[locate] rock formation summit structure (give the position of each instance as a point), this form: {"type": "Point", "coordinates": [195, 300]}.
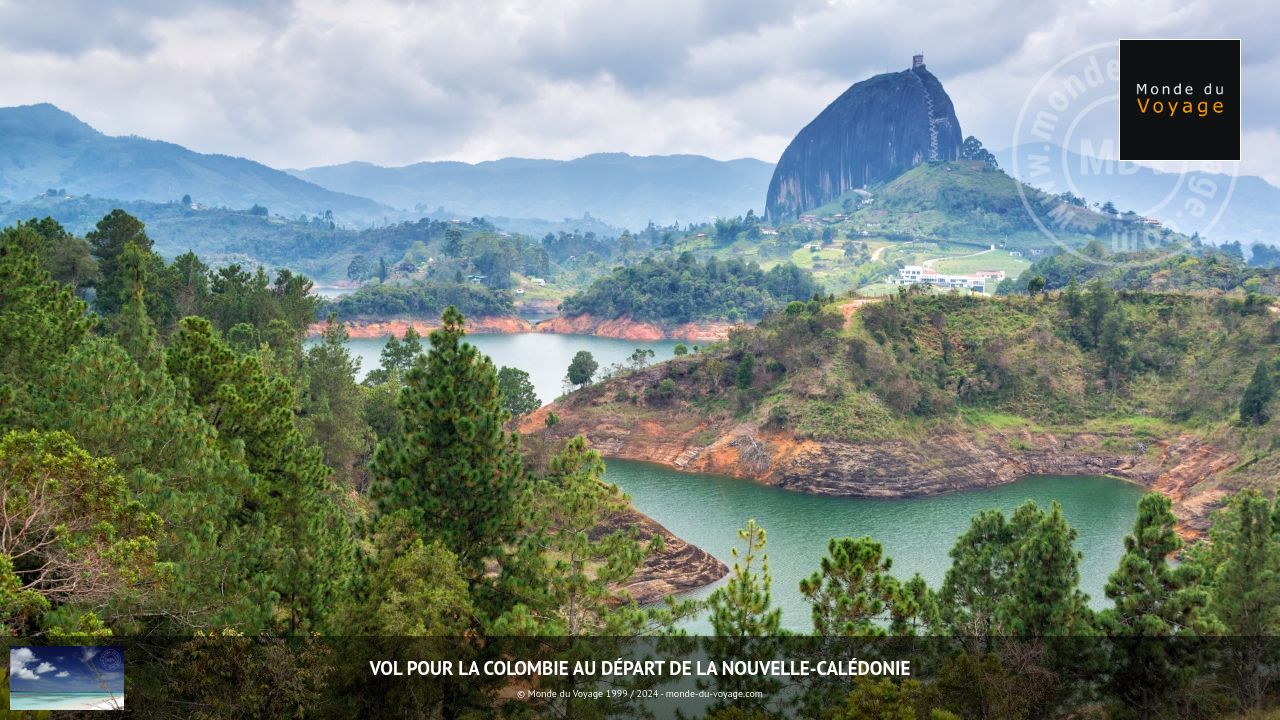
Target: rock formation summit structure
{"type": "Point", "coordinates": [875, 131]}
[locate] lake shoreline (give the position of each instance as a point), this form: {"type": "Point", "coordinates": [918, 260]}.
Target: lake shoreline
{"type": "Point", "coordinates": [943, 461]}
{"type": "Point", "coordinates": [585, 325]}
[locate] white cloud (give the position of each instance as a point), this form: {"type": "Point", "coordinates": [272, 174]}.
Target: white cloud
{"type": "Point", "coordinates": [44, 667]}
{"type": "Point", "coordinates": [63, 673]}
{"type": "Point", "coordinates": [321, 81]}
{"type": "Point", "coordinates": [19, 658]}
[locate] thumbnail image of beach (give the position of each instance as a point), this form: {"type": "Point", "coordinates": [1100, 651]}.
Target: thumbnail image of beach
{"type": "Point", "coordinates": [66, 678]}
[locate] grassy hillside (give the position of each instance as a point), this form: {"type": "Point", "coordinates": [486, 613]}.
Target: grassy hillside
{"type": "Point", "coordinates": [974, 203]}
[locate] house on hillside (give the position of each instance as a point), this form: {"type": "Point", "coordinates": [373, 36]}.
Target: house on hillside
{"type": "Point", "coordinates": [977, 281]}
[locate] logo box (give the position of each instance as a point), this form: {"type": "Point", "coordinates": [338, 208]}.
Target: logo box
{"type": "Point", "coordinates": [1180, 99]}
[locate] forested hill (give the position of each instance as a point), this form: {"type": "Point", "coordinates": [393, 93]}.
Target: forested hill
{"type": "Point", "coordinates": [1066, 357]}
{"type": "Point", "coordinates": [1198, 267]}
{"type": "Point", "coordinates": [321, 248]}
{"type": "Point", "coordinates": [683, 289]}
{"type": "Point", "coordinates": [422, 299]}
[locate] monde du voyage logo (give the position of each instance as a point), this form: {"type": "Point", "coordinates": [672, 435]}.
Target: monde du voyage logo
{"type": "Point", "coordinates": [1179, 99]}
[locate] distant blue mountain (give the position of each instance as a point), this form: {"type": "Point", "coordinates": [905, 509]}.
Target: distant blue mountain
{"type": "Point", "coordinates": [43, 147]}
{"type": "Point", "coordinates": [1252, 214]}
{"type": "Point", "coordinates": [616, 188]}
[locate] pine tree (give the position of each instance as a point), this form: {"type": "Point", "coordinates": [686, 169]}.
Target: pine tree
{"type": "Point", "coordinates": [332, 409]}
{"type": "Point", "coordinates": [311, 566]}
{"type": "Point", "coordinates": [854, 594]}
{"type": "Point", "coordinates": [982, 564]}
{"type": "Point", "coordinates": [398, 355]}
{"type": "Point", "coordinates": [744, 622]}
{"type": "Point", "coordinates": [1242, 566]}
{"type": "Point", "coordinates": [1015, 576]}
{"type": "Point", "coordinates": [109, 240]}
{"type": "Point", "coordinates": [212, 546]}
{"type": "Point", "coordinates": [1246, 576]}
{"type": "Point", "coordinates": [40, 321]}
{"type": "Point", "coordinates": [743, 606]}
{"type": "Point", "coordinates": [1153, 600]}
{"type": "Point", "coordinates": [1257, 395]}
{"type": "Point", "coordinates": [452, 467]}
{"type": "Point", "coordinates": [1043, 598]}
{"type": "Point", "coordinates": [133, 326]}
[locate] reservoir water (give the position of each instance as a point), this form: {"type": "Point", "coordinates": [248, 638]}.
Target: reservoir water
{"type": "Point", "coordinates": [917, 533]}
{"type": "Point", "coordinates": [707, 510]}
{"type": "Point", "coordinates": [544, 356]}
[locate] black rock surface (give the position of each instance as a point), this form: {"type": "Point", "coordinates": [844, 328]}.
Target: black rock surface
{"type": "Point", "coordinates": [875, 131]}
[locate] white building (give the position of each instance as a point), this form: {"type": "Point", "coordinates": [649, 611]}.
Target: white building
{"type": "Point", "coordinates": [981, 281]}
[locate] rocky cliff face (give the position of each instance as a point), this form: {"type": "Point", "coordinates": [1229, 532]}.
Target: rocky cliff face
{"type": "Point", "coordinates": [876, 130]}
{"type": "Point", "coordinates": [678, 568]}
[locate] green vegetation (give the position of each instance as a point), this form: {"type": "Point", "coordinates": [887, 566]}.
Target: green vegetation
{"type": "Point", "coordinates": [1192, 267]}
{"type": "Point", "coordinates": [177, 461]}
{"type": "Point", "coordinates": [677, 290]}
{"type": "Point", "coordinates": [581, 369]}
{"type": "Point", "coordinates": [422, 298]}
{"type": "Point", "coordinates": [1257, 395]}
{"type": "Point", "coordinates": [915, 359]}
{"type": "Point", "coordinates": [1013, 636]}
{"type": "Point", "coordinates": [518, 395]}
{"type": "Point", "coordinates": [174, 461]}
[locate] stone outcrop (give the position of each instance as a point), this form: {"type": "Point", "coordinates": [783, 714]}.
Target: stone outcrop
{"type": "Point", "coordinates": [679, 567]}
{"type": "Point", "coordinates": [875, 131]}
{"type": "Point", "coordinates": [627, 329]}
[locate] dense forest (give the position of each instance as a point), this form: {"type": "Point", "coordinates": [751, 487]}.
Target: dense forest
{"type": "Point", "coordinates": [422, 298]}
{"type": "Point", "coordinates": [176, 463]}
{"type": "Point", "coordinates": [682, 289]}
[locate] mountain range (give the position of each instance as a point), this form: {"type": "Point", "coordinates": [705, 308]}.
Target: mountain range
{"type": "Point", "coordinates": [45, 148]}
{"type": "Point", "coordinates": [622, 190]}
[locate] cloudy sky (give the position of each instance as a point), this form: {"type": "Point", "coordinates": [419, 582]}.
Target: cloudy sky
{"type": "Point", "coordinates": [298, 83]}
